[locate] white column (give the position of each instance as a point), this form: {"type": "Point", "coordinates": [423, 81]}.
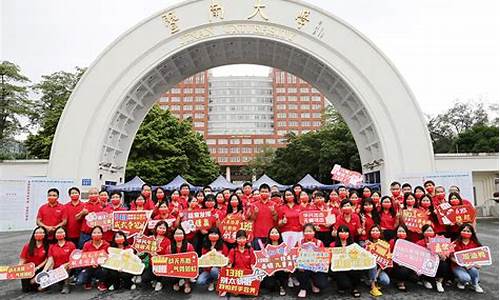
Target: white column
{"type": "Point", "coordinates": [228, 173]}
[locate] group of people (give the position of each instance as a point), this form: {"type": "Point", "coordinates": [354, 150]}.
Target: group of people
{"type": "Point", "coordinates": [360, 216]}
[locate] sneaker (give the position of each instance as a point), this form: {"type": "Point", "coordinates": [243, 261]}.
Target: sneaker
{"type": "Point", "coordinates": [101, 286]}
{"type": "Point", "coordinates": [111, 288]}
{"type": "Point", "coordinates": [460, 286]}
{"type": "Point", "coordinates": [158, 286]}
{"type": "Point", "coordinates": [137, 279]}
{"type": "Point", "coordinates": [478, 289]}
{"type": "Point", "coordinates": [192, 280]}
{"type": "Point", "coordinates": [87, 286]}
{"type": "Point", "coordinates": [302, 294]}
{"type": "Point", "coordinates": [176, 287]}
{"type": "Point", "coordinates": [315, 289]}
{"type": "Point", "coordinates": [439, 287]}
{"type": "Point", "coordinates": [65, 289]}
{"type": "Point", "coordinates": [211, 287]}
{"type": "Point", "coordinates": [375, 292]}
{"type": "Point", "coordinates": [181, 282]}
{"type": "Point", "coordinates": [295, 281]}
{"type": "Point", "coordinates": [282, 291]}
{"type": "Point", "coordinates": [290, 282]}
{"type": "Point", "coordinates": [133, 287]}
{"type": "Point", "coordinates": [428, 285]}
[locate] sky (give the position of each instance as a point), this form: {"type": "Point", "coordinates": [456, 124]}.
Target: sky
{"type": "Point", "coordinates": [445, 49]}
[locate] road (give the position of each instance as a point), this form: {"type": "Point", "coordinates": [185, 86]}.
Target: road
{"type": "Point", "coordinates": [11, 243]}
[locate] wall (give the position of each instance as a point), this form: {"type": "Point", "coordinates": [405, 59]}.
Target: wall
{"type": "Point", "coordinates": [19, 169]}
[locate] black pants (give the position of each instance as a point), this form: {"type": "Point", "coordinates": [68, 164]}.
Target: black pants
{"type": "Point", "coordinates": [273, 283]}
{"type": "Point", "coordinates": [119, 279]}
{"type": "Point", "coordinates": [443, 271]}
{"type": "Point", "coordinates": [148, 276]}
{"type": "Point", "coordinates": [325, 237]}
{"type": "Point", "coordinates": [400, 273]}
{"type": "Point", "coordinates": [304, 277]}
{"type": "Point", "coordinates": [347, 280]}
{"type": "Point", "coordinates": [27, 286]}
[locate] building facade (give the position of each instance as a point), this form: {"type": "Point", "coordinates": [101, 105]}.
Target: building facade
{"type": "Point", "coordinates": [239, 116]}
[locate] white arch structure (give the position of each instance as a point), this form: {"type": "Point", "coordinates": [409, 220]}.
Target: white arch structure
{"type": "Point", "coordinates": [103, 114]}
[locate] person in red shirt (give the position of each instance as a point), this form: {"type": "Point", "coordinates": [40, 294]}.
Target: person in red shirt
{"type": "Point", "coordinates": [454, 199]}
{"type": "Point", "coordinates": [305, 201]}
{"type": "Point", "coordinates": [185, 192]}
{"type": "Point", "coordinates": [276, 198]}
{"type": "Point", "coordinates": [35, 251]}
{"type": "Point", "coordinates": [443, 268]}
{"type": "Point", "coordinates": [92, 205]}
{"type": "Point", "coordinates": [376, 200]}
{"type": "Point", "coordinates": [242, 256]}
{"type": "Point", "coordinates": [164, 214]}
{"type": "Point", "coordinates": [469, 274]}
{"type": "Point", "coordinates": [220, 201]}
{"type": "Point", "coordinates": [396, 196]}
{"type": "Point", "coordinates": [265, 212]}
{"type": "Point", "coordinates": [440, 196]}
{"type": "Point", "coordinates": [346, 280]}
{"type": "Point", "coordinates": [114, 205]}
{"type": "Point", "coordinates": [410, 205]}
{"type": "Point", "coordinates": [52, 214]}
{"type": "Point", "coordinates": [419, 192]}
{"type": "Point", "coordinates": [400, 273]}
{"type": "Point", "coordinates": [334, 201]}
{"type": "Point", "coordinates": [342, 192]}
{"type": "Point", "coordinates": [388, 218]}
{"type": "Point", "coordinates": [280, 278]}
{"type": "Point", "coordinates": [376, 275]}
{"type": "Point", "coordinates": [138, 203]}
{"type": "Point", "coordinates": [456, 189]}
{"type": "Point", "coordinates": [210, 204]}
{"type": "Point", "coordinates": [323, 232]}
{"type": "Point", "coordinates": [74, 218]}
{"type": "Point", "coordinates": [181, 245]}
{"type": "Point", "coordinates": [367, 193]}
{"type": "Point", "coordinates": [117, 279]}
{"type": "Point", "coordinates": [247, 194]}
{"type": "Point", "coordinates": [288, 216]}
{"type": "Point", "coordinates": [355, 201]}
{"type": "Point", "coordinates": [406, 188]}
{"type": "Point", "coordinates": [85, 277]}
{"type": "Point", "coordinates": [427, 207]}
{"type": "Point", "coordinates": [309, 280]}
{"type": "Point", "coordinates": [59, 256]}
{"type": "Point", "coordinates": [163, 248]}
{"type": "Point", "coordinates": [104, 198]}
{"type": "Point", "coordinates": [429, 186]}
{"type": "Point", "coordinates": [212, 241]}
{"type": "Point", "coordinates": [369, 217]}
{"type": "Point", "coordinates": [297, 189]}
{"type": "Point", "coordinates": [159, 197]}
{"type": "Point", "coordinates": [176, 205]}
{"type": "Point", "coordinates": [350, 219]}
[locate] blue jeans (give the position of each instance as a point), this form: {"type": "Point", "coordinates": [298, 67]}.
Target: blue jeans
{"type": "Point", "coordinates": [208, 276]}
{"type": "Point", "coordinates": [83, 238]}
{"type": "Point", "coordinates": [382, 278]}
{"type": "Point", "coordinates": [466, 276]}
{"type": "Point", "coordinates": [87, 274]}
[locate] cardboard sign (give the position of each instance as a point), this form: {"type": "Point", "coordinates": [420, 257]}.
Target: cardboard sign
{"type": "Point", "coordinates": [450, 215]}
{"type": "Point", "coordinates": [414, 219]}
{"type": "Point", "coordinates": [131, 222]}
{"type": "Point", "coordinates": [188, 226]}
{"type": "Point", "coordinates": [24, 271]}
{"type": "Point", "coordinates": [213, 258]}
{"type": "Point", "coordinates": [235, 281]}
{"type": "Point", "coordinates": [346, 176]}
{"type": "Point", "coordinates": [80, 259]}
{"type": "Point", "coordinates": [45, 279]}
{"type": "Point", "coordinates": [480, 256]}
{"type": "Point", "coordinates": [200, 217]}
{"type": "Point", "coordinates": [276, 258]}
{"type": "Point", "coordinates": [441, 245]}
{"type": "Point", "coordinates": [152, 223]}
{"type": "Point", "coordinates": [352, 257]}
{"type": "Point", "coordinates": [102, 218]}
{"type": "Point", "coordinates": [313, 258]}
{"type": "Point", "coordinates": [123, 260]}
{"type": "Point", "coordinates": [316, 217]}
{"type": "Point", "coordinates": [231, 224]}
{"type": "Point", "coordinates": [145, 244]}
{"type": "Point", "coordinates": [382, 252]}
{"type": "Point", "coordinates": [415, 257]}
{"type": "Point", "coordinates": [179, 265]}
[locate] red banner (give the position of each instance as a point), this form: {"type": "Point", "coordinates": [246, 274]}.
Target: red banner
{"type": "Point", "coordinates": [24, 271]}
{"type": "Point", "coordinates": [382, 252]}
{"type": "Point", "coordinates": [231, 224]}
{"type": "Point", "coordinates": [415, 257]}
{"type": "Point", "coordinates": [480, 256]}
{"type": "Point", "coordinates": [131, 222]}
{"type": "Point", "coordinates": [235, 281]}
{"type": "Point", "coordinates": [80, 259]}
{"type": "Point", "coordinates": [316, 217]}
{"type": "Point", "coordinates": [102, 218]}
{"type": "Point", "coordinates": [276, 258]}
{"type": "Point", "coordinates": [346, 176]}
{"type": "Point", "coordinates": [145, 244]}
{"type": "Point", "coordinates": [414, 219]}
{"type": "Point", "coordinates": [441, 245]}
{"type": "Point", "coordinates": [179, 265]}
{"type": "Point", "coordinates": [450, 215]}
{"type": "Point", "coordinates": [200, 217]}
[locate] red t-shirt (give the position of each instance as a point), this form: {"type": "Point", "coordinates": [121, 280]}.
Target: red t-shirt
{"type": "Point", "coordinates": [242, 260]}
{"type": "Point", "coordinates": [73, 226]}
{"type": "Point", "coordinates": [148, 205]}
{"type": "Point", "coordinates": [51, 215]}
{"type": "Point", "coordinates": [59, 254]}
{"type": "Point", "coordinates": [39, 254]}
{"type": "Point", "coordinates": [189, 248]}
{"type": "Point", "coordinates": [459, 246]}
{"type": "Point", "coordinates": [292, 218]}
{"type": "Point", "coordinates": [264, 219]}
{"type": "Point", "coordinates": [422, 243]}
{"type": "Point", "coordinates": [89, 246]}
{"type": "Point", "coordinates": [353, 225]}
{"type": "Point", "coordinates": [315, 241]}
{"type": "Point", "coordinates": [164, 247]}
{"type": "Point", "coordinates": [91, 207]}
{"type": "Point", "coordinates": [368, 224]}
{"type": "Point", "coordinates": [387, 221]}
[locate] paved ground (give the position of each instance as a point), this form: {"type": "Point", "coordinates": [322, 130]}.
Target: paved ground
{"type": "Point", "coordinates": [11, 243]}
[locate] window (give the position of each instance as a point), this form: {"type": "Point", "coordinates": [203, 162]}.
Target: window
{"type": "Point", "coordinates": [280, 90]}
{"type": "Point", "coordinates": [175, 91]}
{"type": "Point", "coordinates": [270, 141]}
{"type": "Point", "coordinates": [163, 99]}
{"type": "Point", "coordinates": [281, 106]}
{"type": "Point", "coordinates": [281, 115]}
{"type": "Point", "coordinates": [175, 99]}
{"type": "Point", "coordinates": [305, 106]}
{"type": "Point", "coordinates": [293, 123]}
{"type": "Point", "coordinates": [211, 142]}
{"type": "Point", "coordinates": [246, 141]}
{"type": "Point", "coordinates": [246, 150]}
{"type": "Point", "coordinates": [235, 150]}
{"type": "Point", "coordinates": [292, 98]}
{"type": "Point", "coordinates": [281, 132]}
{"type": "Point", "coordinates": [316, 115]}
{"type": "Point", "coordinates": [258, 141]}
{"type": "Point", "coordinates": [199, 116]}
{"type": "Point", "coordinates": [188, 90]}
{"type": "Point", "coordinates": [316, 98]}
{"type": "Point", "coordinates": [293, 115]}
{"type": "Point", "coordinates": [293, 106]}
{"type": "Point", "coordinates": [306, 123]}
{"type": "Point", "coordinates": [305, 98]}
{"type": "Point", "coordinates": [199, 124]}
{"type": "Point", "coordinates": [187, 107]}
{"type": "Point", "coordinates": [235, 141]}
{"type": "Point", "coordinates": [222, 159]}
{"type": "Point", "coordinates": [199, 107]}
{"type": "Point", "coordinates": [292, 90]}
{"type": "Point", "coordinates": [199, 99]}
{"type": "Point", "coordinates": [316, 123]}
{"type": "Point", "coordinates": [221, 150]}
{"type": "Point", "coordinates": [316, 106]}
{"type": "Point", "coordinates": [199, 90]}
{"type": "Point", "coordinates": [305, 115]}
{"type": "Point", "coordinates": [222, 141]}
{"type": "Point", "coordinates": [175, 107]}
{"type": "Point", "coordinates": [304, 90]}
{"type": "Point", "coordinates": [188, 99]}
{"type": "Point", "coordinates": [281, 98]}
{"type": "Point", "coordinates": [235, 159]}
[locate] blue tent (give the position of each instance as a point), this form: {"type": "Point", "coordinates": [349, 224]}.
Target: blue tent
{"type": "Point", "coordinates": [175, 184]}
{"type": "Point", "coordinates": [266, 179]}
{"type": "Point", "coordinates": [309, 183]}
{"type": "Point", "coordinates": [221, 183]}
{"type": "Point", "coordinates": [134, 185]}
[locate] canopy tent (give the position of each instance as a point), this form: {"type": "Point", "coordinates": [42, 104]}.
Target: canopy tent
{"type": "Point", "coordinates": [133, 185]}
{"type": "Point", "coordinates": [268, 180]}
{"type": "Point", "coordinates": [310, 183]}
{"type": "Point", "coordinates": [176, 183]}
{"type": "Point", "coordinates": [221, 183]}
{"type": "Point", "coordinates": [373, 186]}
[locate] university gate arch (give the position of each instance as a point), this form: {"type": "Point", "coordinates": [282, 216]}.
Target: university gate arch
{"type": "Point", "coordinates": [103, 114]}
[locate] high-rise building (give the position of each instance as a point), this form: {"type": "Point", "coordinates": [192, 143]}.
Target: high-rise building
{"type": "Point", "coordinates": [239, 116]}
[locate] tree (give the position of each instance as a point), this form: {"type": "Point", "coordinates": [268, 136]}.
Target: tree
{"type": "Point", "coordinates": [480, 138]}
{"type": "Point", "coordinates": [14, 104]}
{"type": "Point", "coordinates": [165, 147]}
{"type": "Point", "coordinates": [54, 91]}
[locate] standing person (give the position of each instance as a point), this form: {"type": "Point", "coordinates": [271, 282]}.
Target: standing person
{"type": "Point", "coordinates": [350, 219]}
{"type": "Point", "coordinates": [454, 199]}
{"type": "Point", "coordinates": [429, 186]}
{"type": "Point", "coordinates": [176, 205]}
{"type": "Point", "coordinates": [396, 196]}
{"type": "Point", "coordinates": [288, 216]}
{"type": "Point", "coordinates": [104, 198]}
{"type": "Point", "coordinates": [297, 189]}
{"type": "Point", "coordinates": [35, 251]}
{"type": "Point", "coordinates": [376, 275]}
{"type": "Point", "coordinates": [181, 245]}
{"type": "Point", "coordinates": [114, 205]}
{"type": "Point", "coordinates": [342, 192]}
{"type": "Point", "coordinates": [117, 279]}
{"type": "Point", "coordinates": [96, 272]}
{"type": "Point", "coordinates": [163, 248]}
{"type": "Point", "coordinates": [443, 268]}
{"type": "Point", "coordinates": [263, 213]}
{"type": "Point", "coordinates": [213, 240]}
{"type": "Point", "coordinates": [247, 194]}
{"type": "Point", "coordinates": [220, 202]}
{"type": "Point", "coordinates": [305, 201]}
{"type": "Point", "coordinates": [51, 214]}
{"type": "Point", "coordinates": [388, 218]}
{"type": "Point", "coordinates": [369, 217]}
{"type": "Point", "coordinates": [309, 280]}
{"type": "Point", "coordinates": [147, 195]}
{"type": "Point", "coordinates": [280, 278]}
{"type": "Point", "coordinates": [334, 201]}
{"type": "Point", "coordinates": [409, 205]}
{"type": "Point", "coordinates": [400, 273]}
{"type": "Point", "coordinates": [367, 192]}
{"type": "Point", "coordinates": [440, 196]}
{"type": "Point", "coordinates": [355, 201]}
{"type": "Point", "coordinates": [406, 188]}
{"type": "Point", "coordinates": [323, 232]}
{"type": "Point", "coordinates": [159, 198]}
{"type": "Point", "coordinates": [376, 200]}
{"type": "Point", "coordinates": [419, 192]}
{"type": "Point", "coordinates": [138, 203]}
{"type": "Point", "coordinates": [92, 205]}
{"type": "Point", "coordinates": [58, 255]}
{"type": "Point", "coordinates": [74, 217]}
{"type": "Point", "coordinates": [185, 192]}
{"type": "Point", "coordinates": [428, 208]}
{"type": "Point", "coordinates": [242, 256]}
